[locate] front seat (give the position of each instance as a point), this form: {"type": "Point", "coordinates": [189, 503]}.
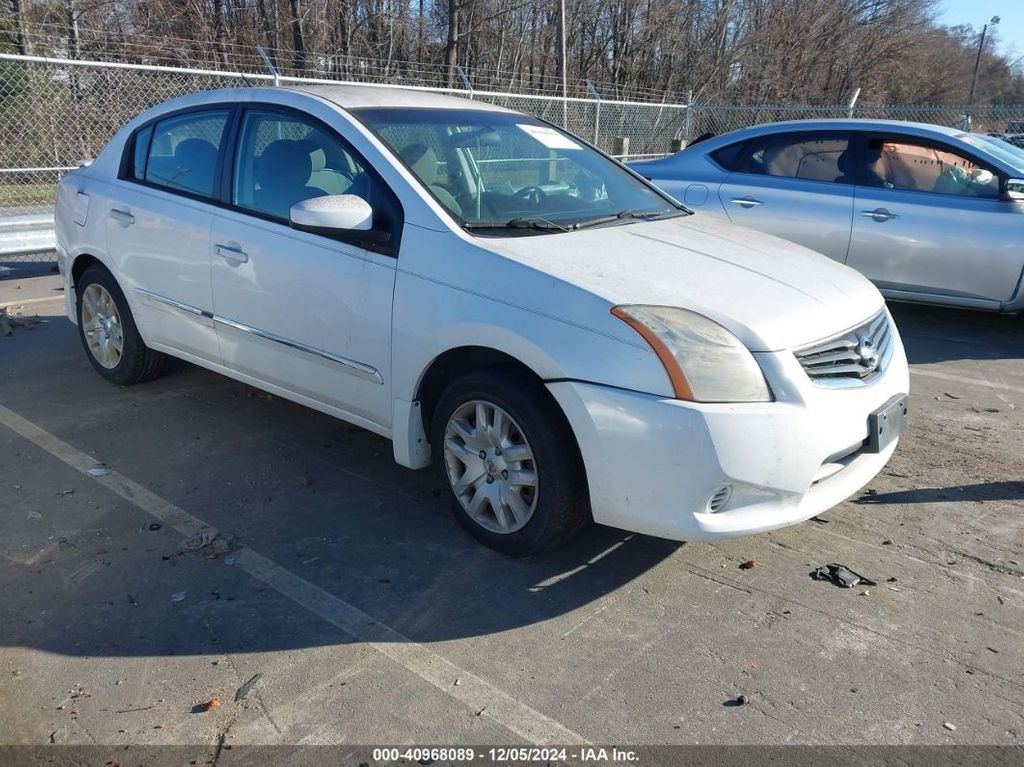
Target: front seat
{"type": "Point", "coordinates": [282, 177]}
{"type": "Point", "coordinates": [423, 162]}
{"type": "Point", "coordinates": [847, 163]}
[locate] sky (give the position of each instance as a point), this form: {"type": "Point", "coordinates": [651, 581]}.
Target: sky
{"type": "Point", "coordinates": [977, 12]}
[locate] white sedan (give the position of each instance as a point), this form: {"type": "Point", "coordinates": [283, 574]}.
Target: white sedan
{"type": "Point", "coordinates": [563, 341]}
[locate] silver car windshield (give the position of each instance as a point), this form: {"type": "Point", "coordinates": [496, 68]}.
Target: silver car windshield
{"type": "Point", "coordinates": [513, 173]}
{"type": "Point", "coordinates": [1003, 151]}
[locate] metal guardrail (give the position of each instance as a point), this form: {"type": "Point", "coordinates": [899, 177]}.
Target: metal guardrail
{"type": "Point", "coordinates": [27, 237]}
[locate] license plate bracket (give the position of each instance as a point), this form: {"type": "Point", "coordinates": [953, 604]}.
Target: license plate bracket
{"type": "Point", "coordinates": [886, 424]}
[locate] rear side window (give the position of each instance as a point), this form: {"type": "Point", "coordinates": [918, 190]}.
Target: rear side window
{"type": "Point", "coordinates": [183, 152]}
{"type": "Point", "coordinates": [809, 156]}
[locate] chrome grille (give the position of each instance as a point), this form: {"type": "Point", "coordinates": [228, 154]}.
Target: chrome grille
{"type": "Point", "coordinates": [851, 358]}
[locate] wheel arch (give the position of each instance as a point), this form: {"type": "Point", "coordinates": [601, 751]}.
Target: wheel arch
{"type": "Point", "coordinates": [80, 263]}
{"type": "Point", "coordinates": [446, 367]}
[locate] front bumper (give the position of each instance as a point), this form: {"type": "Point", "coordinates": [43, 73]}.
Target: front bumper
{"type": "Point", "coordinates": [655, 465]}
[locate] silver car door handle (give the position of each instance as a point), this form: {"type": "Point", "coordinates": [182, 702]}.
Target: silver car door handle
{"type": "Point", "coordinates": [878, 214]}
{"type": "Point", "coordinates": [231, 253]}
{"type": "Point", "coordinates": [122, 216]}
{"type": "Point", "coordinates": [746, 202]}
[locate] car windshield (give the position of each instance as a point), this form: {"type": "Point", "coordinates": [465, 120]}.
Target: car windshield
{"type": "Point", "coordinates": [1003, 151]}
{"type": "Point", "coordinates": [511, 173]}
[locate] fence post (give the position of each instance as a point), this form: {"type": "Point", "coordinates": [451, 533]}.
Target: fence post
{"type": "Point", "coordinates": [464, 79]}
{"type": "Point", "coordinates": [688, 121]}
{"type": "Point", "coordinates": [853, 103]}
{"type": "Point", "coordinates": [620, 148]}
{"type": "Point", "coordinates": [269, 64]}
{"type": "Point", "coordinates": [597, 110]}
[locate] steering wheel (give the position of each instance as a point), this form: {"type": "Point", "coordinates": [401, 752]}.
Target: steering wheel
{"type": "Point", "coordinates": [532, 194]}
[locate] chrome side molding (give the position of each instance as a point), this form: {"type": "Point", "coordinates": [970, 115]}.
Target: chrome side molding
{"type": "Point", "coordinates": [351, 366]}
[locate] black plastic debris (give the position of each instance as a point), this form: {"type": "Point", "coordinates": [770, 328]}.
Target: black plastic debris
{"type": "Point", "coordinates": [841, 575]}
{"type": "Point", "coordinates": [246, 688]}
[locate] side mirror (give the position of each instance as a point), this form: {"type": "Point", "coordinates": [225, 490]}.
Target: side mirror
{"type": "Point", "coordinates": [332, 214]}
{"type": "Point", "coordinates": [1015, 189]}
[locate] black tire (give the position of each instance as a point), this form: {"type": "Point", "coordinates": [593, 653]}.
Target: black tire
{"type": "Point", "coordinates": [562, 501]}
{"type": "Point", "coordinates": [138, 363]}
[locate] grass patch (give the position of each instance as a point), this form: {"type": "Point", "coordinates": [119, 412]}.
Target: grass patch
{"type": "Point", "coordinates": [27, 194]}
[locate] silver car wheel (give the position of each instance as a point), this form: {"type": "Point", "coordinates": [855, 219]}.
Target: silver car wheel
{"type": "Point", "coordinates": [490, 466]}
{"type": "Point", "coordinates": [101, 324]}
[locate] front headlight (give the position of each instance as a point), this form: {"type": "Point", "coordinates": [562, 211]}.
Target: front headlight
{"type": "Point", "coordinates": [704, 361]}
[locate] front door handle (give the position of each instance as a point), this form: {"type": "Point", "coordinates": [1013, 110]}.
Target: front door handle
{"type": "Point", "coordinates": [746, 202]}
{"type": "Point", "coordinates": [880, 215]}
{"type": "Point", "coordinates": [122, 216]}
{"type": "Point", "coordinates": [231, 253]}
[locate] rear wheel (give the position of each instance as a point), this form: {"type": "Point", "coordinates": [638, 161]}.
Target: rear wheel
{"type": "Point", "coordinates": [505, 452]}
{"type": "Point", "coordinates": [107, 329]}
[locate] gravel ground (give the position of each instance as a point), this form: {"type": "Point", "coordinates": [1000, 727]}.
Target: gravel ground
{"type": "Point", "coordinates": [341, 580]}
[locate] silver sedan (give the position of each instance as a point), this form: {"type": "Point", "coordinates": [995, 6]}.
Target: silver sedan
{"type": "Point", "coordinates": [929, 214]}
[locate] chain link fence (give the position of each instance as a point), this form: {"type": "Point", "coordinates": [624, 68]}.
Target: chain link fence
{"type": "Point", "coordinates": [56, 112]}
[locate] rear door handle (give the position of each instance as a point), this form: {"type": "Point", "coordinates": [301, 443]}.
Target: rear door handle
{"type": "Point", "coordinates": [746, 202]}
{"type": "Point", "coordinates": [231, 253]}
{"type": "Point", "coordinates": [880, 215]}
{"type": "Point", "coordinates": [122, 216]}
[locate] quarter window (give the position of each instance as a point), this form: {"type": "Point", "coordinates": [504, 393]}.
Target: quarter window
{"type": "Point", "coordinates": [901, 163]}
{"type": "Point", "coordinates": [139, 152]}
{"type": "Point", "coordinates": [183, 152]}
{"type": "Point", "coordinates": [810, 156]}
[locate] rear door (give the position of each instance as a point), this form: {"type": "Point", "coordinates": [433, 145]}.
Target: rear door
{"type": "Point", "coordinates": [792, 185]}
{"type": "Point", "coordinates": [158, 228]}
{"type": "Point", "coordinates": [305, 312]}
{"type": "Point", "coordinates": [929, 221]}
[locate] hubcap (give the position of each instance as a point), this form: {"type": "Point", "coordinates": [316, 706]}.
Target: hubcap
{"type": "Point", "coordinates": [490, 466]}
{"type": "Point", "coordinates": [101, 325]}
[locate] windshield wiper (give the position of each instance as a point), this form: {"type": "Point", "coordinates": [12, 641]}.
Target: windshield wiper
{"type": "Point", "coordinates": [532, 222]}
{"type": "Point", "coordinates": [536, 222]}
{"type": "Point", "coordinates": [637, 214]}
{"type": "Point", "coordinates": [545, 225]}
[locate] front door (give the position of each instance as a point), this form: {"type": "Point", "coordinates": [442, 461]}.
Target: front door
{"type": "Point", "coordinates": [301, 311]}
{"type": "Point", "coordinates": [929, 221]}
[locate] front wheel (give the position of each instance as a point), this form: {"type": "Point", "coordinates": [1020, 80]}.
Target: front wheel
{"type": "Point", "coordinates": [507, 456]}
{"type": "Point", "coordinates": [107, 329]}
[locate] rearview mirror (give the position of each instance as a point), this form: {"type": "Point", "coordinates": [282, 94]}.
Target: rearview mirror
{"type": "Point", "coordinates": [333, 213]}
{"type": "Point", "coordinates": [1015, 189]}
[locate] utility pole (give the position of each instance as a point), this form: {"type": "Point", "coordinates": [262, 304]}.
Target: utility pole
{"type": "Point", "coordinates": [977, 61]}
{"type": "Point", "coordinates": [561, 55]}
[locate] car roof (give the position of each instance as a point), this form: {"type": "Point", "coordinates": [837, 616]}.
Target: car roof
{"type": "Point", "coordinates": [846, 124]}
{"type": "Point", "coordinates": [365, 96]}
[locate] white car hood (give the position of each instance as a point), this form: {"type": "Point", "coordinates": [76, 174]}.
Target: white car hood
{"type": "Point", "coordinates": [771, 293]}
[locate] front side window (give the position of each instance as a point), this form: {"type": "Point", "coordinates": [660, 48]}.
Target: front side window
{"type": "Point", "coordinates": [283, 159]}
{"type": "Point", "coordinates": [919, 166]}
{"type": "Point", "coordinates": [509, 171]}
{"type": "Point", "coordinates": [183, 152]}
{"type": "Point", "coordinates": [809, 156]}
{"type": "Point", "coordinates": [1002, 150]}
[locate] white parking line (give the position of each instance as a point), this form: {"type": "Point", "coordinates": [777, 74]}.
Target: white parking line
{"type": "Point", "coordinates": [6, 304]}
{"type": "Point", "coordinates": [961, 379]}
{"type": "Point", "coordinates": [479, 695]}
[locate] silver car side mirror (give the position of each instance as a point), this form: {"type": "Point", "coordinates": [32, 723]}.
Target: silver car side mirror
{"type": "Point", "coordinates": [1015, 189]}
{"type": "Point", "coordinates": [332, 213]}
